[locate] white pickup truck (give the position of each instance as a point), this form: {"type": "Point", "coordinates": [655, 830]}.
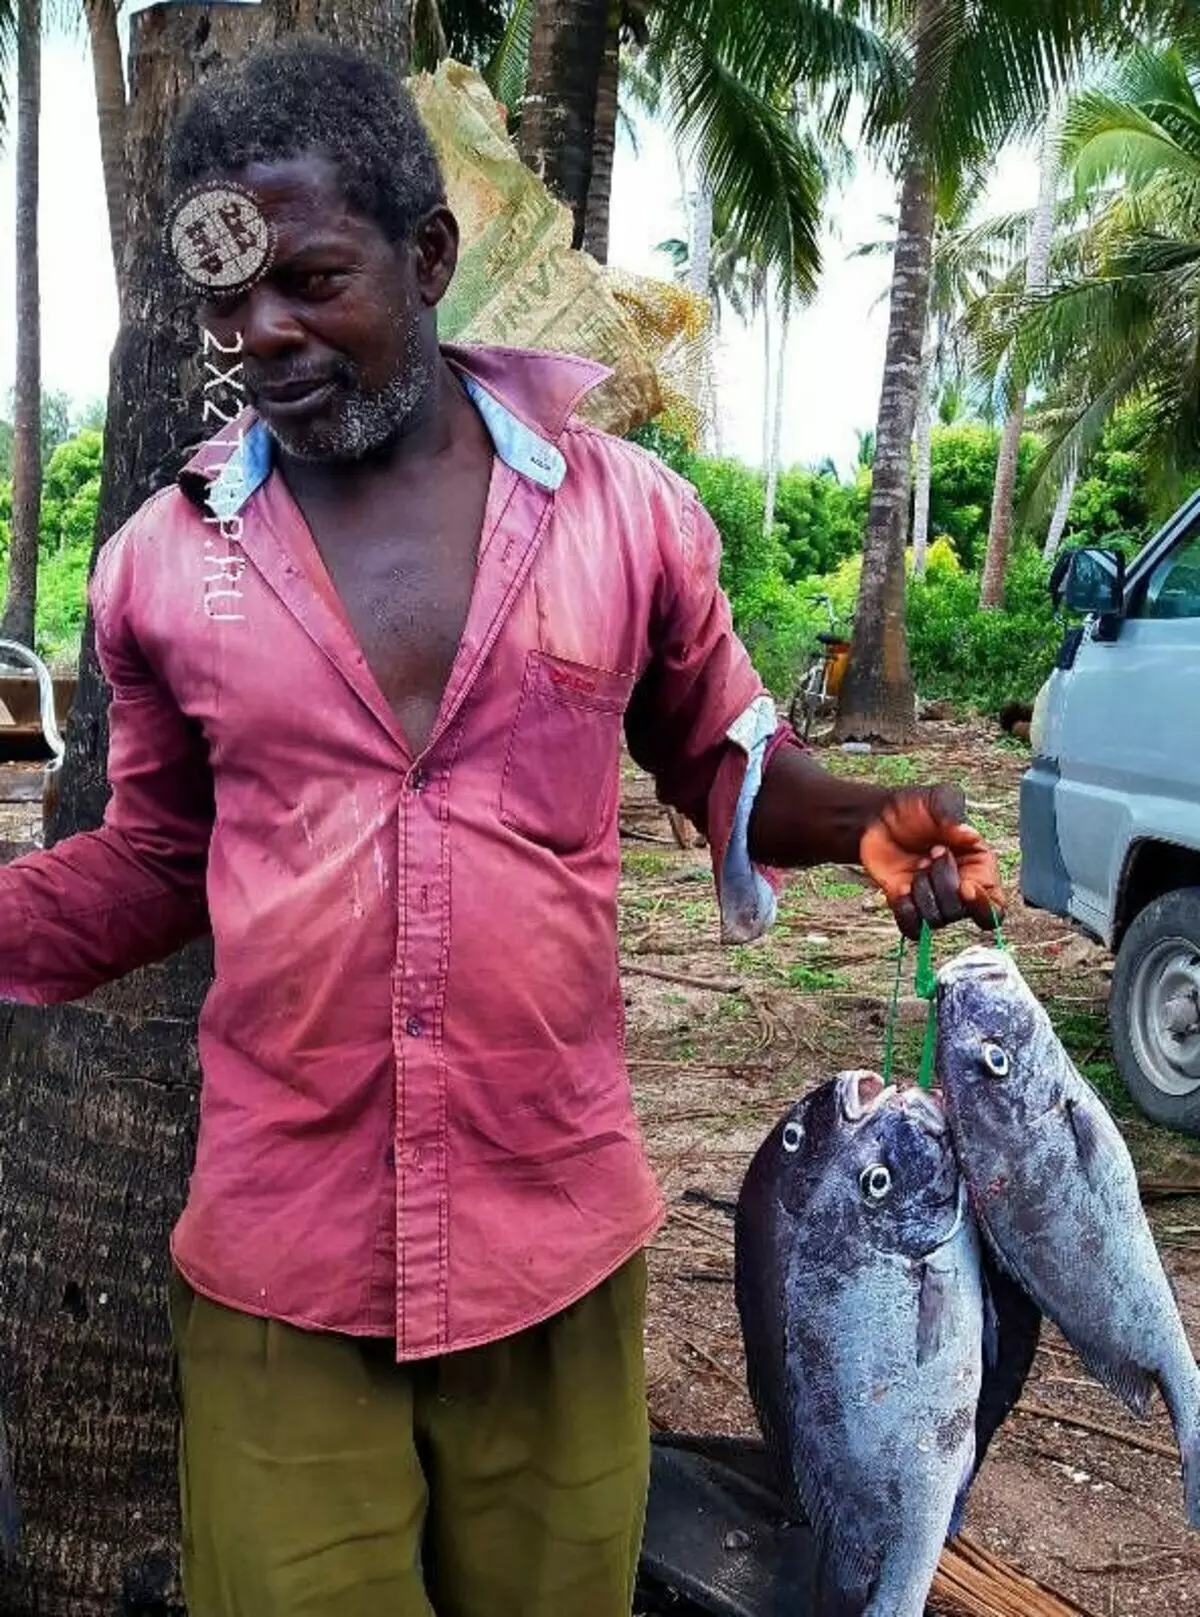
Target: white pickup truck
{"type": "Point", "coordinates": [1110, 807]}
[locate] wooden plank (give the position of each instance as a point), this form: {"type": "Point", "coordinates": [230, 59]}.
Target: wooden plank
{"type": "Point", "coordinates": [21, 785]}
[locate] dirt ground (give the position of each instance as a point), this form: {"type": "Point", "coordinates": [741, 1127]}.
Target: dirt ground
{"type": "Point", "coordinates": [1096, 1514]}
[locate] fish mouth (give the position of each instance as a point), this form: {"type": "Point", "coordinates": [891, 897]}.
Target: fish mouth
{"type": "Point", "coordinates": [860, 1094]}
{"type": "Point", "coordinates": [923, 1107]}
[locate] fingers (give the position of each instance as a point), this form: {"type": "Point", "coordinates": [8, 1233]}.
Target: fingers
{"type": "Point", "coordinates": [908, 917]}
{"type": "Point", "coordinates": [947, 889]}
{"type": "Point", "coordinates": [935, 891]}
{"type": "Point", "coordinates": [985, 906]}
{"type": "Point", "coordinates": [947, 804]}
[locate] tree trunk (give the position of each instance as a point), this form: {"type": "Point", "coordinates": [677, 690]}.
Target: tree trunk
{"type": "Point", "coordinates": [700, 381]}
{"type": "Point", "coordinates": [1062, 510]}
{"type": "Point", "coordinates": [20, 606]}
{"type": "Point", "coordinates": [1041, 238]}
{"type": "Point", "coordinates": [877, 700]}
{"type": "Point", "coordinates": [604, 142]}
{"type": "Point", "coordinates": [109, 74]}
{"type": "Point", "coordinates": [98, 1100]}
{"type": "Point", "coordinates": [768, 393]}
{"type": "Point", "coordinates": [785, 315]}
{"type": "Point", "coordinates": [558, 114]}
{"type": "Point", "coordinates": [924, 469]}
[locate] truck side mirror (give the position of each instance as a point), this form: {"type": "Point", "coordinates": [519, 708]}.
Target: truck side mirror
{"type": "Point", "coordinates": [1090, 581]}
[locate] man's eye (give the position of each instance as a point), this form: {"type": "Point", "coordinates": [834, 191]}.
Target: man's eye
{"type": "Point", "coordinates": [316, 283]}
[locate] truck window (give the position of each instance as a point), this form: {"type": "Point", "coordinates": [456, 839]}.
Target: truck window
{"type": "Point", "coordinates": [1173, 590]}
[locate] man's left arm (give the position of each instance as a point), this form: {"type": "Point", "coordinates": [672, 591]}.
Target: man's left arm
{"type": "Point", "coordinates": [913, 842]}
{"type": "Point", "coordinates": [702, 723]}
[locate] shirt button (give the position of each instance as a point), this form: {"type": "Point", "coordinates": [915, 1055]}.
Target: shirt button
{"type": "Point", "coordinates": [419, 779]}
{"type": "Point", "coordinates": [414, 1027]}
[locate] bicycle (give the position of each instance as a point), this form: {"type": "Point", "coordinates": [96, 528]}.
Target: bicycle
{"type": "Point", "coordinates": [816, 695]}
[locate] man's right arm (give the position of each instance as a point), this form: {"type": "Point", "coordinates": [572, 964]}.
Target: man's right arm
{"type": "Point", "coordinates": [102, 903]}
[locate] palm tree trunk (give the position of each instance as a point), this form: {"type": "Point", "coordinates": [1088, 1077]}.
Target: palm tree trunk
{"type": "Point", "coordinates": [109, 74]}
{"type": "Point", "coordinates": [700, 388]}
{"type": "Point", "coordinates": [768, 392]}
{"type": "Point", "coordinates": [777, 427]}
{"type": "Point", "coordinates": [1000, 528]}
{"type": "Point", "coordinates": [700, 245]}
{"type": "Point", "coordinates": [1062, 509]}
{"type": "Point", "coordinates": [924, 471]}
{"type": "Point", "coordinates": [604, 142]}
{"type": "Point", "coordinates": [20, 605]}
{"type": "Point", "coordinates": [98, 1100]}
{"type": "Point", "coordinates": [877, 700]}
{"type": "Point", "coordinates": [558, 114]}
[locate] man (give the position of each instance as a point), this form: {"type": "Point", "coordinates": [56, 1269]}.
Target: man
{"type": "Point", "coordinates": [371, 662]}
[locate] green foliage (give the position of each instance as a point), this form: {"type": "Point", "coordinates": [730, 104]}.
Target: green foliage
{"type": "Point", "coordinates": [964, 473]}
{"type": "Point", "coordinates": [71, 493]}
{"type": "Point", "coordinates": [822, 519]}
{"type": "Point", "coordinates": [982, 659]}
{"type": "Point", "coordinates": [70, 496]}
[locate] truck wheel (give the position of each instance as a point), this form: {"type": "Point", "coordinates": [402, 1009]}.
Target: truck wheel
{"type": "Point", "coordinates": [1154, 1010]}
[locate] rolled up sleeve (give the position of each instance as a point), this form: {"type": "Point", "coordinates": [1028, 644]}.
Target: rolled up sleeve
{"type": "Point", "coordinates": [701, 722]}
{"type": "Point", "coordinates": [106, 901]}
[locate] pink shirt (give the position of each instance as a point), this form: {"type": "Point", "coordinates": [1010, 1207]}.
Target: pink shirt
{"type": "Point", "coordinates": [415, 1118]}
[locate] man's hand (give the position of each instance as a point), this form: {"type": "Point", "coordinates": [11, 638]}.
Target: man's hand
{"type": "Point", "coordinates": [928, 863]}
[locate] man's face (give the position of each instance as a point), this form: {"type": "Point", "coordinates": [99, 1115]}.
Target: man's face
{"type": "Point", "coordinates": [338, 338]}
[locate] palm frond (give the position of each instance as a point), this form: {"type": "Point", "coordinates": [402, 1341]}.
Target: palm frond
{"type": "Point", "coordinates": [508, 67]}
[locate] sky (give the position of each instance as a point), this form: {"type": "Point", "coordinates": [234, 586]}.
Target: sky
{"type": "Point", "coordinates": [835, 350]}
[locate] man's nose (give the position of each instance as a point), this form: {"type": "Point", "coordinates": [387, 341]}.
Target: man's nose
{"type": "Point", "coordinates": [268, 323]}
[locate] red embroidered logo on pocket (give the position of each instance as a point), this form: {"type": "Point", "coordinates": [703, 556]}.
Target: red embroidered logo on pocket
{"type": "Point", "coordinates": [576, 682]}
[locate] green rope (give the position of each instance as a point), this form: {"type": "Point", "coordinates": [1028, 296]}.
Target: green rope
{"type": "Point", "coordinates": [925, 985]}
{"type": "Point", "coordinates": [889, 1046]}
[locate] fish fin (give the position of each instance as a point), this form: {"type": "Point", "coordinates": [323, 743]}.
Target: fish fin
{"type": "Point", "coordinates": [934, 1311]}
{"type": "Point", "coordinates": [1131, 1384]}
{"type": "Point", "coordinates": [1088, 1144]}
{"type": "Point", "coordinates": [1016, 1324]}
{"type": "Point", "coordinates": [960, 1500]}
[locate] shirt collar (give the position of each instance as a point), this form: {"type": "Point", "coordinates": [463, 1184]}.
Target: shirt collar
{"type": "Point", "coordinates": [227, 470]}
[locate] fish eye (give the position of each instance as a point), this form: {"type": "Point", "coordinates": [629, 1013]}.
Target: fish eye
{"type": "Point", "coordinates": [875, 1182]}
{"type": "Point", "coordinates": [996, 1060]}
{"type": "Point", "coordinates": [793, 1135]}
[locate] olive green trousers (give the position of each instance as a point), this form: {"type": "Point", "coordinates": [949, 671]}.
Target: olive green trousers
{"type": "Point", "coordinates": [319, 1478]}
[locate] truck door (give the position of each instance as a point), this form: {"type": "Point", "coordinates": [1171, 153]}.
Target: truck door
{"type": "Point", "coordinates": [1129, 743]}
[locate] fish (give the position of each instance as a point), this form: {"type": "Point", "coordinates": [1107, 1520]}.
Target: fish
{"type": "Point", "coordinates": [1055, 1193]}
{"type": "Point", "coordinates": [858, 1287]}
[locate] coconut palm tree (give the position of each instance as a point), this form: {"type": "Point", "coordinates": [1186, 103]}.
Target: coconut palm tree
{"type": "Point", "coordinates": [968, 257]}
{"type": "Point", "coordinates": [977, 75]}
{"type": "Point", "coordinates": [17, 619]}
{"type": "Point", "coordinates": [1037, 267]}
{"type": "Point", "coordinates": [1120, 320]}
{"type": "Point", "coordinates": [723, 76]}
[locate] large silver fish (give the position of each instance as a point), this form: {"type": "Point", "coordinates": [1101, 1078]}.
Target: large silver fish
{"type": "Point", "coordinates": [858, 1285]}
{"type": "Point", "coordinates": [1056, 1194]}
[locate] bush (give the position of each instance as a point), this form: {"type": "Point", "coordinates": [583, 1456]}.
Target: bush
{"type": "Point", "coordinates": [982, 659]}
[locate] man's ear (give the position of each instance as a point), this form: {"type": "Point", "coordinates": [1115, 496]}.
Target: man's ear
{"type": "Point", "coordinates": [436, 241]}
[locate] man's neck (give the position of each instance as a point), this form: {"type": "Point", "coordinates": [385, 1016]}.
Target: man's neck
{"type": "Point", "coordinates": [430, 432]}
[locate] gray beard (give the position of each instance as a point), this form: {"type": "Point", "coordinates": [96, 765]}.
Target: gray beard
{"type": "Point", "coordinates": [360, 422]}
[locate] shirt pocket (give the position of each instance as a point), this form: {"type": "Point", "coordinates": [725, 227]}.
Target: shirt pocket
{"type": "Point", "coordinates": [563, 763]}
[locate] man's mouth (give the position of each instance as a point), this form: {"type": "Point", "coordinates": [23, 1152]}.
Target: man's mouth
{"type": "Point", "coordinates": [300, 396]}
